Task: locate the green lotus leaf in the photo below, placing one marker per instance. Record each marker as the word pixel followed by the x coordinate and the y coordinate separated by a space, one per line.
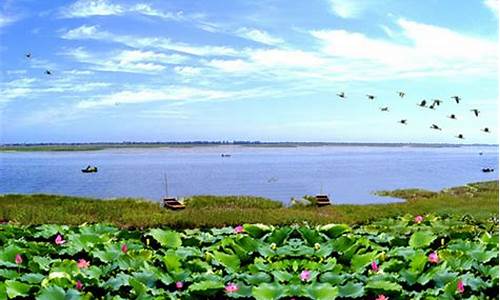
pixel 16 288
pixel 332 278
pixel 322 291
pixel 52 293
pixel 282 276
pixel 138 288
pixel 335 230
pixel 383 285
pixel 206 287
pixel 360 261
pixel 421 239
pixel 351 290
pixel 49 230
pixel 166 238
pixel 115 283
pixel 256 279
pixel 230 261
pixel 172 261
pixel 32 278
pixel 418 261
pixel 257 230
pixel 9 274
pixel 311 236
pixel 268 291
pixel 8 255
pixel 279 235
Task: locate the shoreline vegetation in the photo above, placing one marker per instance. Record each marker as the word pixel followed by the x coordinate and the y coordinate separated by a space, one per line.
pixel 478 200
pixel 26 147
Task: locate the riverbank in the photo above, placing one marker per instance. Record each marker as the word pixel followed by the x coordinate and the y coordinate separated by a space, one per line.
pixel 479 200
pixel 147 145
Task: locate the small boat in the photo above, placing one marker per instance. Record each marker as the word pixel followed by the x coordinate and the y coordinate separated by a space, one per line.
pixel 171 202
pixel 225 155
pixel 488 170
pixel 90 169
pixel 322 200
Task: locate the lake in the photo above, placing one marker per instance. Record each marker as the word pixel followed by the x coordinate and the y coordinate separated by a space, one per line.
pixel 349 174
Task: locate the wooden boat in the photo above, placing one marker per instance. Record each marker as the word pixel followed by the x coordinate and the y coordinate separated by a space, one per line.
pixel 172 203
pixel 322 200
pixel 90 169
pixel 488 170
pixel 225 155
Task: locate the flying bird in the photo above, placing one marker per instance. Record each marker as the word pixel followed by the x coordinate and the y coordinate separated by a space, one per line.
pixel 475 111
pixel 437 102
pixel 460 136
pixel 401 94
pixel 403 122
pixel 48 72
pixel 384 108
pixel 341 95
pixel 486 129
pixel 28 55
pixel 434 126
pixel 371 97
pixel 422 103
pixel 457 99
pixel 452 116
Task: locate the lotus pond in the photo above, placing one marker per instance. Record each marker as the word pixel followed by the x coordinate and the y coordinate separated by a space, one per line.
pixel 408 257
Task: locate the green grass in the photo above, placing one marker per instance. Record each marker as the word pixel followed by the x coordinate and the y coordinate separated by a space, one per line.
pixel 479 200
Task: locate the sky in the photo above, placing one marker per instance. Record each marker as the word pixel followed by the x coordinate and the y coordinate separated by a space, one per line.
pixel 247 70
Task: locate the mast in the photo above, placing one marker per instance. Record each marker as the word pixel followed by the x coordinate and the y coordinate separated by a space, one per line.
pixel 166 184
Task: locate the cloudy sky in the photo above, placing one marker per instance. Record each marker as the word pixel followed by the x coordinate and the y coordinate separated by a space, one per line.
pixel 264 70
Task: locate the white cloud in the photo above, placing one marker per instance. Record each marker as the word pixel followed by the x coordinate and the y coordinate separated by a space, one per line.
pixel 87 8
pixel 429 50
pixel 92 32
pixel 6 20
pixel 146 9
pixel 133 61
pixel 187 70
pixel 259 36
pixel 172 93
pixel 493 5
pixel 347 8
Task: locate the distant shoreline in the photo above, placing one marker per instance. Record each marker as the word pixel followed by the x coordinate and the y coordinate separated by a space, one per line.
pixel 18 147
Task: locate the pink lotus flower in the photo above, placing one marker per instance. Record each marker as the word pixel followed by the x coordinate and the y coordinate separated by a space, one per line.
pixel 460 286
pixel 179 285
pixel 79 285
pixel 124 248
pixel 19 259
pixel 239 229
pixel 419 219
pixel 305 275
pixel 231 288
pixel 382 297
pixel 83 264
pixel 433 258
pixel 59 240
pixel 375 266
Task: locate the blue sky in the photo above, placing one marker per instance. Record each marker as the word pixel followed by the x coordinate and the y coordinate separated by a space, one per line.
pixel 247 70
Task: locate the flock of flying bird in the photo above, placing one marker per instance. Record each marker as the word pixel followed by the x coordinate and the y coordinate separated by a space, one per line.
pixel 423 103
pixel 426 104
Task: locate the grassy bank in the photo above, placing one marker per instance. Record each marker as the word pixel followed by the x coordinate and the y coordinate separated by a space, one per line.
pixel 479 200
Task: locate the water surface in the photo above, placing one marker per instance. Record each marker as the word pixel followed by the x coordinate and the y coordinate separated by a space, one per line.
pixel 349 174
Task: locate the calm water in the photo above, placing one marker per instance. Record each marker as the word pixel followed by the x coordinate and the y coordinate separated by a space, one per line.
pixel 347 174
